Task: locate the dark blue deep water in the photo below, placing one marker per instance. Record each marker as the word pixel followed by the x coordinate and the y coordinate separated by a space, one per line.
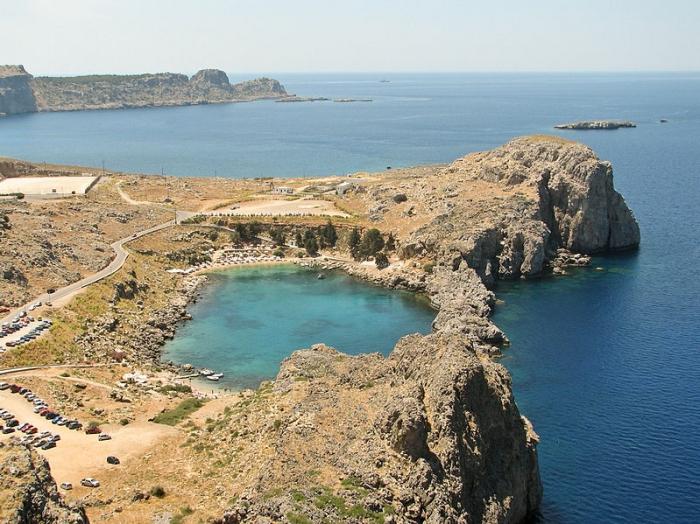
pixel 605 364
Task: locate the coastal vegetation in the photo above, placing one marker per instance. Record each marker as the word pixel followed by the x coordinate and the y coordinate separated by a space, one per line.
pixel 173 417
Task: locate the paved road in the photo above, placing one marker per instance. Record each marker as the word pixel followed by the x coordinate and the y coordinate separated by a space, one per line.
pixel 113 267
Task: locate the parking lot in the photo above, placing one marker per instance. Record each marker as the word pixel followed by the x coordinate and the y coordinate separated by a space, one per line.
pixel 78 455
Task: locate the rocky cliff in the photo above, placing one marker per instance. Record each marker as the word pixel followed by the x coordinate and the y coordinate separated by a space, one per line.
pixel 430 434
pixel 556 194
pixel 16 95
pixel 28 493
pixel 19 92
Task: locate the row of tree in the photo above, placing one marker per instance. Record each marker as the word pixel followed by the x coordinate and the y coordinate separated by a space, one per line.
pixel 370 244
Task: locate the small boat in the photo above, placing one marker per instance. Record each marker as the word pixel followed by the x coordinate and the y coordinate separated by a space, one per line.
pixel 213 378
pixel 206 372
pixel 321 276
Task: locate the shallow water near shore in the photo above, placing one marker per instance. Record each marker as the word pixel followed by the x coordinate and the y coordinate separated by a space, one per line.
pixel 250 319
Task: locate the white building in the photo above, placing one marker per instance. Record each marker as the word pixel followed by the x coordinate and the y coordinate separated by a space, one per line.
pixel 344 187
pixel 283 190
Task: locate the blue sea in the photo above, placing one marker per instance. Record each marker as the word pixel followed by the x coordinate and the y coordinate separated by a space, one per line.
pixel 605 364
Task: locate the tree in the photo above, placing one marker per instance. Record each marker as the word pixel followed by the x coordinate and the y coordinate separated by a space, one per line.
pixel 311 246
pixel 390 243
pixel 277 236
pixel 328 235
pixel 354 243
pixel 371 244
pixel 298 240
pixel 381 260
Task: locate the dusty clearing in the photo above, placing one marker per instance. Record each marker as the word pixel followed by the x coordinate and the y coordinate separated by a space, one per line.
pixel 48 186
pixel 286 208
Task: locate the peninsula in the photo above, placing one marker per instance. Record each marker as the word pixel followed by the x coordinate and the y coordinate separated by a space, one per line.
pixel 20 92
pixel 430 433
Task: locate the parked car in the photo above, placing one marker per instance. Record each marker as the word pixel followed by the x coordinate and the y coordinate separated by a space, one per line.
pixel 112 460
pixel 104 436
pixel 93 430
pixel 90 482
pixel 66 485
pixel 8 430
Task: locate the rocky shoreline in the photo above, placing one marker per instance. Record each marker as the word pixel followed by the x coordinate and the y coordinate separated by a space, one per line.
pixel 20 92
pixel 597 124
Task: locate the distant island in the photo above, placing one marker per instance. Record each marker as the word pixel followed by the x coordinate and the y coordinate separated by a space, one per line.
pixel 20 92
pixel 596 124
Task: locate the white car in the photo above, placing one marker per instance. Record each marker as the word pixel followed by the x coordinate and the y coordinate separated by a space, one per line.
pixel 90 482
pixel 68 486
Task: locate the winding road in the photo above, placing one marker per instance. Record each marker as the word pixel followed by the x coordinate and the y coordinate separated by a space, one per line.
pixel 114 266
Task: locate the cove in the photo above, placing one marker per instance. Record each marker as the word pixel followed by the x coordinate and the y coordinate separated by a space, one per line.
pixel 250 319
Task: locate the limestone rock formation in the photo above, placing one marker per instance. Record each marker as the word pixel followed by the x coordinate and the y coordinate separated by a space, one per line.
pixel 430 434
pixel 28 493
pixel 16 94
pixel 568 201
pixel 20 92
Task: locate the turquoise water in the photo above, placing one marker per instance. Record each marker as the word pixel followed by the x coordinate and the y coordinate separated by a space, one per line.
pixel 606 365
pixel 250 319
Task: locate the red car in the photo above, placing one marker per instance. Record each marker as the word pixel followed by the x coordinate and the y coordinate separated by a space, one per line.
pixel 93 430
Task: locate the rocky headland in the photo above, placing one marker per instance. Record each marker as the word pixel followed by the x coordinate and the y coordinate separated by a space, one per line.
pixel 20 92
pixel 430 433
pixel 596 124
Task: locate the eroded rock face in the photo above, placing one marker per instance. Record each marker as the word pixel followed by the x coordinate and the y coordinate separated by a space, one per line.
pixel 16 94
pixel 430 434
pixel 578 201
pixel 28 493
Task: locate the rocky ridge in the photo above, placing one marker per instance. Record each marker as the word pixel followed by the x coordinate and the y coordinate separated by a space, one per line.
pixel 22 93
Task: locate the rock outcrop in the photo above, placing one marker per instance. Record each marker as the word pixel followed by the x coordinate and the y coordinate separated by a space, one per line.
pixel 596 124
pixel 430 434
pixel 28 493
pixel 560 196
pixel 16 95
pixel 20 92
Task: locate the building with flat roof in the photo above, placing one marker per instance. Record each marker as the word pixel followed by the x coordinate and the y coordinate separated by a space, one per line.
pixel 283 190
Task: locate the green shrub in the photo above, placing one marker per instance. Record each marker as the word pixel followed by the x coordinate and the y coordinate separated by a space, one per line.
pixel 174 416
pixel 158 491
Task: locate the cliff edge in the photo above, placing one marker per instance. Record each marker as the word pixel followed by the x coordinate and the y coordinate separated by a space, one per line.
pixel 16 95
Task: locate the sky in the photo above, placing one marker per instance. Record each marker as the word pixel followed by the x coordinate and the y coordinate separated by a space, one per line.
pixel 131 36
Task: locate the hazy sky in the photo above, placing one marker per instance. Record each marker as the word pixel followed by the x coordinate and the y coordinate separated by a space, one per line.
pixel 90 36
